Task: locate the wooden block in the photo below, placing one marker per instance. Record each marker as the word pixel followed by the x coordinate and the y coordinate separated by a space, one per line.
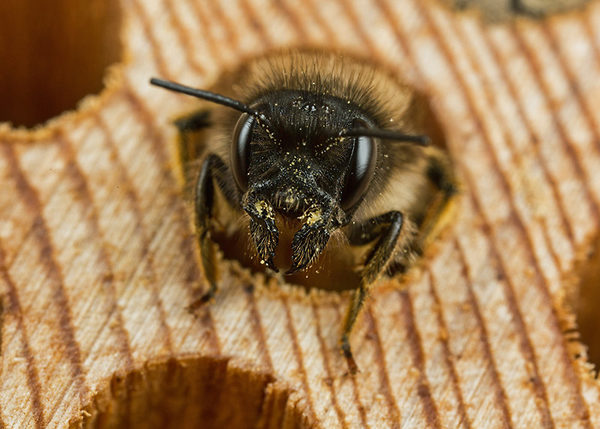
pixel 98 260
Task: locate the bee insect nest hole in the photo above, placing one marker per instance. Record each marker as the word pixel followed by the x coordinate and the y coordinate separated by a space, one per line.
pixel 585 303
pixel 337 267
pixel 57 54
pixel 189 393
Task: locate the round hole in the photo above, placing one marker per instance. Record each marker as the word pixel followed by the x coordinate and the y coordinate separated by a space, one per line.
pixel 53 54
pixel 586 303
pixel 190 392
pixel 338 267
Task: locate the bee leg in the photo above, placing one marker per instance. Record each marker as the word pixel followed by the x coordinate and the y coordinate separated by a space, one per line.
pixel 189 126
pixel 356 303
pixel 387 227
pixel 193 122
pixel 440 175
pixel 263 229
pixel 213 167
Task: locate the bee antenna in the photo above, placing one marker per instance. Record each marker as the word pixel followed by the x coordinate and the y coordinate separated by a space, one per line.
pixel 207 95
pixel 421 140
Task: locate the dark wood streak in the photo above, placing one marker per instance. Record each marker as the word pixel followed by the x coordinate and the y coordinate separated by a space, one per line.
pixel 13 307
pixel 360 31
pixel 462 412
pixel 183 37
pixel 211 42
pixel 47 259
pixel 330 35
pixel 589 31
pixel 575 159
pixel 525 343
pixel 547 177
pixel 292 18
pixel 580 404
pixel 418 360
pixel 499 392
pixel 575 87
pixel 327 366
pixel 140 13
pixel 232 36
pixel 257 327
pixel 30 232
pixel 256 25
pixel 384 380
pixel 299 359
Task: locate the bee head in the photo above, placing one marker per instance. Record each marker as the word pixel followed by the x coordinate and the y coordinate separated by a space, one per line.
pixel 297 161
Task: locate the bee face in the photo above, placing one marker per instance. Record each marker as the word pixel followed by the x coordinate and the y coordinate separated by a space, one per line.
pixel 299 154
pixel 297 165
pixel 311 144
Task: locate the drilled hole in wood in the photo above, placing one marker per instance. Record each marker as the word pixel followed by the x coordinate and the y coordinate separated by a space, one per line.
pixel 189 393
pixel 586 304
pixel 338 267
pixel 53 54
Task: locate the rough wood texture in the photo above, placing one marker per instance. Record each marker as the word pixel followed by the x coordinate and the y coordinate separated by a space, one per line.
pixel 97 258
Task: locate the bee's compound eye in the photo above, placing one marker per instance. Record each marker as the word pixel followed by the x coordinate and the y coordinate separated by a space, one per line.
pixel 360 170
pixel 240 149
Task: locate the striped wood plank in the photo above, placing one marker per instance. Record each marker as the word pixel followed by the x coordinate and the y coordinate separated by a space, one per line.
pixel 97 259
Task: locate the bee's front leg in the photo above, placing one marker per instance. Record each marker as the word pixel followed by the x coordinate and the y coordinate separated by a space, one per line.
pixel 213 170
pixel 387 227
pixel 193 122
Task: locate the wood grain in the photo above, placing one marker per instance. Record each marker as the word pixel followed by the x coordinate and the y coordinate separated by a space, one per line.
pixel 98 260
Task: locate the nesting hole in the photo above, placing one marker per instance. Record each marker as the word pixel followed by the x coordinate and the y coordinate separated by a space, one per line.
pixel 190 393
pixel 53 54
pixel 586 303
pixel 338 266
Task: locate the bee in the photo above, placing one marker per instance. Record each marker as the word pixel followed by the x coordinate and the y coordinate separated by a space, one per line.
pixel 310 148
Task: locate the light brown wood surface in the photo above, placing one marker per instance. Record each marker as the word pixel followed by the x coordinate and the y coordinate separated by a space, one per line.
pixel 98 261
